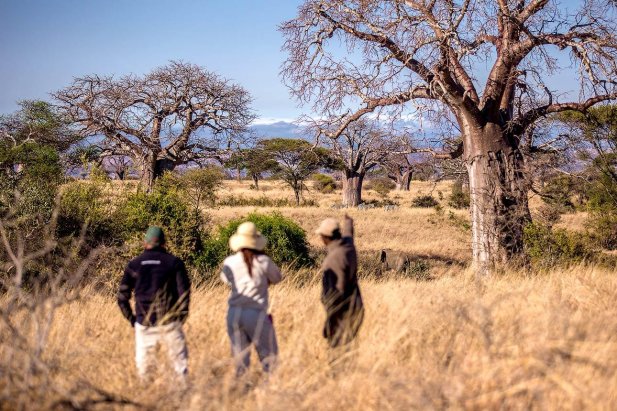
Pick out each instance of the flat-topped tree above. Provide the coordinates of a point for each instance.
(176, 114)
(385, 55)
(294, 161)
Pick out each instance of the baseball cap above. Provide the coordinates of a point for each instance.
(154, 236)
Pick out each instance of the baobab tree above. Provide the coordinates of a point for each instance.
(399, 168)
(176, 114)
(358, 148)
(431, 54)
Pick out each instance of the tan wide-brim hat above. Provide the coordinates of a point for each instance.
(328, 227)
(247, 236)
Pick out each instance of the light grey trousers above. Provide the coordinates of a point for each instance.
(146, 340)
(246, 326)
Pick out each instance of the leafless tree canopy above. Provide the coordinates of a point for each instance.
(385, 53)
(175, 114)
(377, 56)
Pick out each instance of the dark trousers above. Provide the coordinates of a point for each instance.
(343, 320)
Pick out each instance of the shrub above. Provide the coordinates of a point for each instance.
(184, 228)
(286, 241)
(381, 185)
(548, 214)
(325, 184)
(262, 201)
(603, 226)
(35, 172)
(201, 184)
(547, 247)
(83, 203)
(459, 198)
(558, 192)
(426, 201)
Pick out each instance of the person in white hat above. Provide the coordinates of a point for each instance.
(341, 295)
(250, 272)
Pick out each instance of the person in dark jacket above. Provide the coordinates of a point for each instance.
(162, 289)
(341, 295)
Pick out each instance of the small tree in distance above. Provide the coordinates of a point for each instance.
(294, 161)
(358, 149)
(255, 161)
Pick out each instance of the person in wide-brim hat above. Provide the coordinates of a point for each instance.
(249, 272)
(247, 237)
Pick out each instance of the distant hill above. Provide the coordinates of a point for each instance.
(280, 128)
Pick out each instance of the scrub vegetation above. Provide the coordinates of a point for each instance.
(541, 337)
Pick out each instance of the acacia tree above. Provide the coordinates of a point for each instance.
(429, 53)
(255, 161)
(294, 161)
(38, 122)
(176, 114)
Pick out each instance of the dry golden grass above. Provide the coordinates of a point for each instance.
(545, 341)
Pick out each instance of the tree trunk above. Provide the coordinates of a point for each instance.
(402, 179)
(499, 203)
(298, 195)
(256, 181)
(151, 169)
(405, 183)
(352, 188)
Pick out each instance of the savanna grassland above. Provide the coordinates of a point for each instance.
(521, 340)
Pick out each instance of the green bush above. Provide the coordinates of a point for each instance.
(426, 201)
(558, 192)
(34, 171)
(548, 247)
(286, 241)
(381, 185)
(603, 226)
(83, 204)
(325, 184)
(459, 198)
(184, 227)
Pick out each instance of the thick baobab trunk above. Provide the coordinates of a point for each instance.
(499, 204)
(151, 169)
(352, 188)
(404, 182)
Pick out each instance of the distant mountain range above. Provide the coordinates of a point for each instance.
(279, 128)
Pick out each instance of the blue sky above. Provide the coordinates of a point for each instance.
(45, 43)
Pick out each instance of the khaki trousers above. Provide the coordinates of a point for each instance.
(170, 335)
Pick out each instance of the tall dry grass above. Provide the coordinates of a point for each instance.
(519, 341)
(543, 342)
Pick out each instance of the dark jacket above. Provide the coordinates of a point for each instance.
(161, 285)
(340, 292)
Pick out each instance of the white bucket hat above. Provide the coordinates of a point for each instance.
(247, 236)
